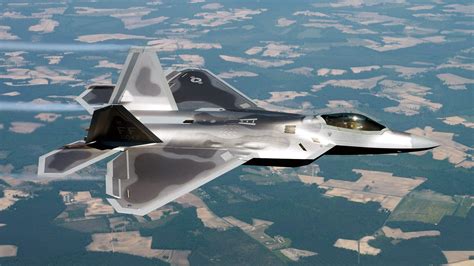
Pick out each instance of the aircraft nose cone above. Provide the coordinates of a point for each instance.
(422, 143)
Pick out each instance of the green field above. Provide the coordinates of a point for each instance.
(464, 205)
(263, 176)
(96, 225)
(427, 207)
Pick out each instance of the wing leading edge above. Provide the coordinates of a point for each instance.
(144, 179)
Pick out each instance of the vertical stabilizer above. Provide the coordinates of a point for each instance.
(142, 84)
(114, 126)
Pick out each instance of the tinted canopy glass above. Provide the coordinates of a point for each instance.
(352, 121)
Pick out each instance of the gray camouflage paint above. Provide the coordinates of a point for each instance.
(67, 159)
(144, 84)
(98, 95)
(143, 184)
(197, 88)
(148, 89)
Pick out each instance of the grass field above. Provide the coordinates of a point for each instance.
(96, 225)
(464, 205)
(426, 206)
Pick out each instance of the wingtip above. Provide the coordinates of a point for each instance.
(127, 210)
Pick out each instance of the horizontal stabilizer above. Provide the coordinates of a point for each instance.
(69, 159)
(95, 97)
(144, 179)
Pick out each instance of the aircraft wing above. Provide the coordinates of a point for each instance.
(199, 88)
(146, 178)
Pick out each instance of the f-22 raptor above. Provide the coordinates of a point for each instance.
(172, 133)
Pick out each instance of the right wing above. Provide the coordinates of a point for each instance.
(144, 179)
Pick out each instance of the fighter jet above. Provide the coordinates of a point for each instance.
(172, 133)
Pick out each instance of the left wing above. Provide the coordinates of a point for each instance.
(199, 88)
(146, 178)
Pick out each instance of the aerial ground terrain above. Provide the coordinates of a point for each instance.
(408, 64)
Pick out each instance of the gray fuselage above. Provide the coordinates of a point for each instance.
(274, 138)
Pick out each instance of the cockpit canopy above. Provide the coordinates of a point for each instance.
(352, 121)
